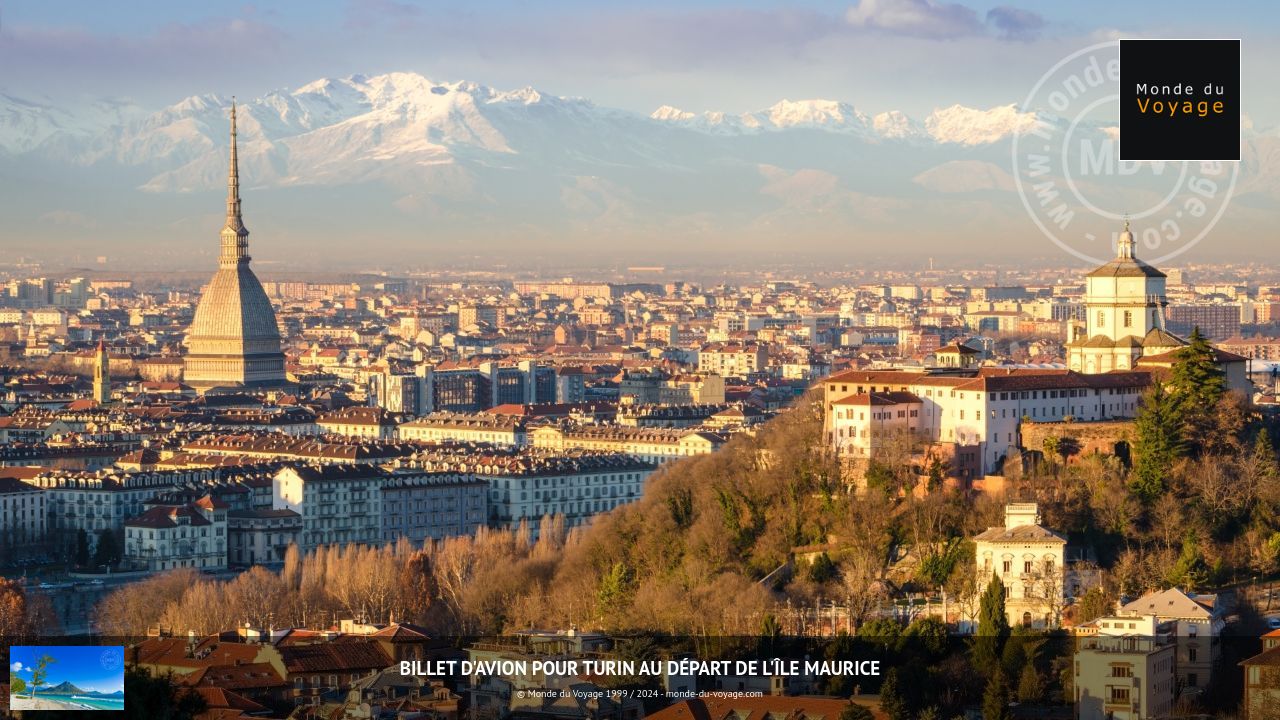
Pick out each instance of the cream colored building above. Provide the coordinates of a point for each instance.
(1125, 671)
(863, 422)
(505, 430)
(1197, 621)
(1124, 314)
(1029, 559)
(192, 535)
(649, 444)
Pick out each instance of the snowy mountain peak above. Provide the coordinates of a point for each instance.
(895, 125)
(668, 113)
(814, 113)
(969, 126)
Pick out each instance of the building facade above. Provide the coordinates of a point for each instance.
(1029, 561)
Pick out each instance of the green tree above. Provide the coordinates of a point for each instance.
(993, 625)
(995, 699)
(16, 684)
(937, 472)
(1198, 384)
(894, 700)
(1190, 571)
(822, 569)
(883, 632)
(615, 588)
(854, 711)
(82, 548)
(40, 673)
(1195, 376)
(929, 633)
(1159, 427)
(1030, 688)
(1051, 448)
(108, 551)
(1095, 603)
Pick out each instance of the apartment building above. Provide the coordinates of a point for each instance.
(1125, 671)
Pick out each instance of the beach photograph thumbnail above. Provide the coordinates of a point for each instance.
(66, 677)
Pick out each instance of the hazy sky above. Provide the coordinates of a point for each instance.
(910, 55)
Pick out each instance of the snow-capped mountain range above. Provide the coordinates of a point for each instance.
(436, 161)
(357, 128)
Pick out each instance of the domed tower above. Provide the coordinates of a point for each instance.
(234, 340)
(1124, 314)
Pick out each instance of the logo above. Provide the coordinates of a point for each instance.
(1071, 180)
(1180, 99)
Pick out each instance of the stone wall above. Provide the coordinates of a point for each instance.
(1111, 437)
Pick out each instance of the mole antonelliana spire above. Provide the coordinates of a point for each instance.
(234, 340)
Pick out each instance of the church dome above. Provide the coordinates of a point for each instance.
(1125, 263)
(234, 308)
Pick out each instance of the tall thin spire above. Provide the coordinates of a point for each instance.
(235, 236)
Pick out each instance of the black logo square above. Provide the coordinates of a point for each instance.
(1179, 99)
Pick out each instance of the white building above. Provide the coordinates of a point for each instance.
(976, 413)
(190, 535)
(1124, 328)
(359, 422)
(1029, 560)
(1124, 314)
(1125, 671)
(732, 359)
(339, 504)
(578, 486)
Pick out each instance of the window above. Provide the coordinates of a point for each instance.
(1119, 694)
(1122, 671)
(1128, 318)
(1102, 317)
(1026, 567)
(1008, 565)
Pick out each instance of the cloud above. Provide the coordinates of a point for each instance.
(1013, 23)
(16, 667)
(917, 18)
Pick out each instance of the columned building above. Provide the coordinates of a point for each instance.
(1124, 315)
(234, 340)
